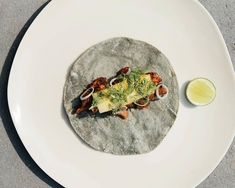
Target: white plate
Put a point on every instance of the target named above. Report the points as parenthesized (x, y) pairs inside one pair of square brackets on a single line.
[(183, 30)]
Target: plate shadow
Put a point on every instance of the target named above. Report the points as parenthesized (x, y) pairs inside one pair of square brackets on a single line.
[(4, 108)]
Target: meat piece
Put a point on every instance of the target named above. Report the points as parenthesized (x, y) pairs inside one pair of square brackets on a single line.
[(122, 114), (152, 97), (155, 77), (99, 84), (85, 105), (132, 105), (124, 70)]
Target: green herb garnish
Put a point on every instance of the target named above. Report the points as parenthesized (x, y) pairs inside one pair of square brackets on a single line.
[(133, 85)]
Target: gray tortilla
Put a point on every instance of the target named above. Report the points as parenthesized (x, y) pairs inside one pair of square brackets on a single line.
[(144, 129)]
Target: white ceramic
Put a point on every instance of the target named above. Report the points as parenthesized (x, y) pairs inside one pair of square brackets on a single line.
[(183, 30)]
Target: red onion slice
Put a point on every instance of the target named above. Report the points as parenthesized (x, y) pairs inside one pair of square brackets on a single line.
[(111, 81), (157, 91), (90, 91), (142, 105)]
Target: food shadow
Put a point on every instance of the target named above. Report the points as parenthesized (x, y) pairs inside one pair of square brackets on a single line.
[(183, 99), (75, 103), (67, 122)]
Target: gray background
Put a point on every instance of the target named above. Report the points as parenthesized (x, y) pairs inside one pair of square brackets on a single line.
[(16, 167)]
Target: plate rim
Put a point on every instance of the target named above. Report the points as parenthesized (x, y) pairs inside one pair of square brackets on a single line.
[(45, 9)]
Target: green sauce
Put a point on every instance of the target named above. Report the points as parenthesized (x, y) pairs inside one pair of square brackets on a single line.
[(135, 85)]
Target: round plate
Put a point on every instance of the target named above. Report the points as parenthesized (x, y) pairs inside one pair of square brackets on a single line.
[(183, 31)]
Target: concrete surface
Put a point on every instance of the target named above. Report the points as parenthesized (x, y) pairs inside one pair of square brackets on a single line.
[(17, 169)]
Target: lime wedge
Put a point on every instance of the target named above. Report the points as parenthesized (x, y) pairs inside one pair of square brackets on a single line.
[(200, 91)]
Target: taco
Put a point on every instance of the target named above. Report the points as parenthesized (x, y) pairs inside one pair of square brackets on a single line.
[(105, 69)]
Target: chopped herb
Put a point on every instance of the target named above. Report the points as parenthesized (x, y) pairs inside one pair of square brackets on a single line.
[(134, 82), (100, 94), (95, 101)]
